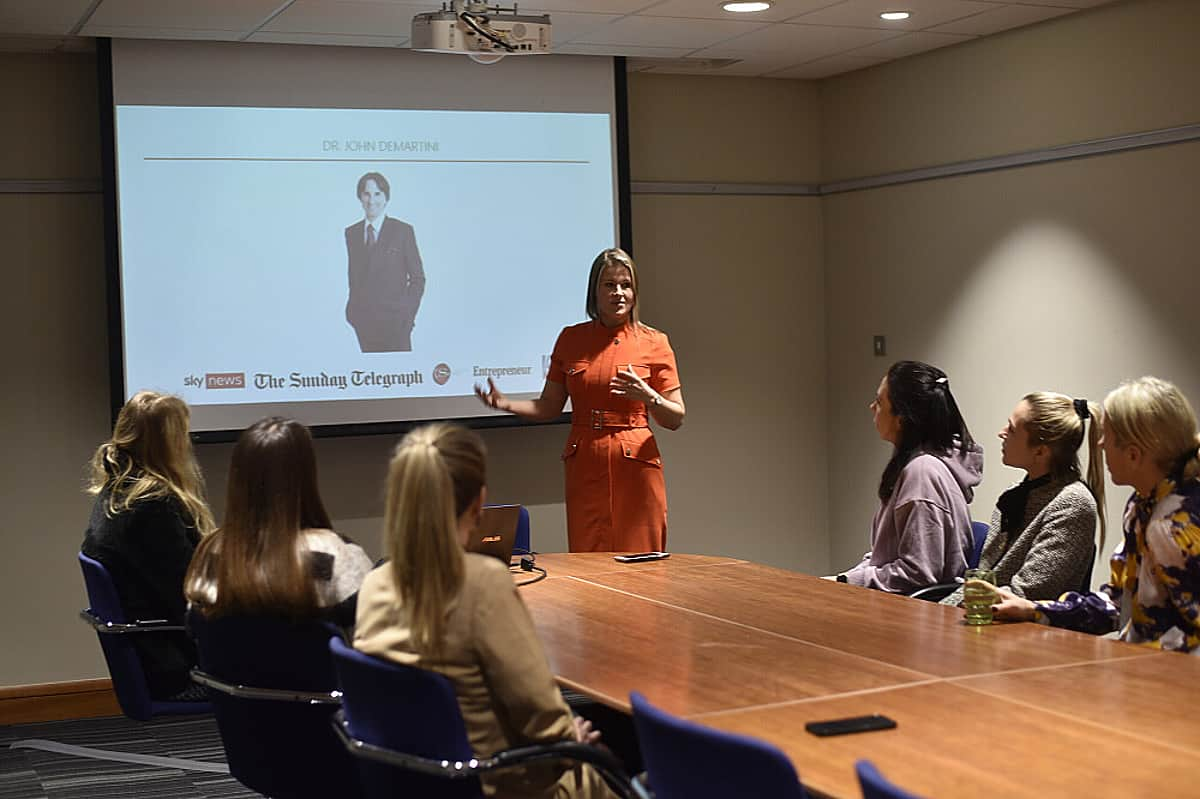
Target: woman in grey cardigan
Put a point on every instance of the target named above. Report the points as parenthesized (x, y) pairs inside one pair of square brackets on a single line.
[(1042, 537)]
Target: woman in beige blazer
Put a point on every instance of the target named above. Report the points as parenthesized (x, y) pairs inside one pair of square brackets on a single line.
[(458, 613)]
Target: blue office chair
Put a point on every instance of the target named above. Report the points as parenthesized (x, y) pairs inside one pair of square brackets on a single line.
[(275, 692), (115, 631), (405, 727), (874, 786), (521, 545), (936, 593), (685, 760), (980, 531)]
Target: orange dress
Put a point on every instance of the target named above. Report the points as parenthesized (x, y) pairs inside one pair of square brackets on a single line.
[(616, 496)]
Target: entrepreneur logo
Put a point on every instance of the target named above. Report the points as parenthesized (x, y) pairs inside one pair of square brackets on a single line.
[(441, 373), (225, 380)]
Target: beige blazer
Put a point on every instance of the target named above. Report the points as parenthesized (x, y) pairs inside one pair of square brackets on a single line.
[(495, 661)]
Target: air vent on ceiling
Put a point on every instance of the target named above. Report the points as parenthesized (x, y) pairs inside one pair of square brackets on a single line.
[(678, 65)]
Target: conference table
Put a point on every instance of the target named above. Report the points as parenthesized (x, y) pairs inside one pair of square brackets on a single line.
[(1003, 710)]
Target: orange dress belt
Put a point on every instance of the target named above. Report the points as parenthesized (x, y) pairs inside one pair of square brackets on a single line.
[(600, 419)]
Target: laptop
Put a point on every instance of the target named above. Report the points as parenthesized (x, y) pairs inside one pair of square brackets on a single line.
[(497, 532)]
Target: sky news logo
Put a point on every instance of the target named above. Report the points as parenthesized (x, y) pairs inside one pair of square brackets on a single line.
[(225, 380)]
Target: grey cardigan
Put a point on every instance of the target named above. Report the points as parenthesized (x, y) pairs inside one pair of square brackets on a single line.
[(1051, 553)]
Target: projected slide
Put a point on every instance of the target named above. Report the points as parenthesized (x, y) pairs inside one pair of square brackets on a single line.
[(278, 256)]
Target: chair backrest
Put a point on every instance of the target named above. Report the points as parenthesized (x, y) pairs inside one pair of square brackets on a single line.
[(521, 545), (129, 680), (874, 786), (980, 531), (684, 759), (407, 710), (284, 749)]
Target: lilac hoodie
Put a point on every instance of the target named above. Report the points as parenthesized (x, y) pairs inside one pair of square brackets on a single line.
[(921, 535)]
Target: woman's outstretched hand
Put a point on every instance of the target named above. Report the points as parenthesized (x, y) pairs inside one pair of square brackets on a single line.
[(493, 397)]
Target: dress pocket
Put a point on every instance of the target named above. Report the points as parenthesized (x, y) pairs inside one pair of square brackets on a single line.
[(576, 371), (570, 448), (639, 445)]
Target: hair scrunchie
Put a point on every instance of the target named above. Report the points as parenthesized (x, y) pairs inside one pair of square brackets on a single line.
[(1081, 409)]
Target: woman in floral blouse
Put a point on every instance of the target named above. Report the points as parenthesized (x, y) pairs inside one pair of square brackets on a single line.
[(1150, 444)]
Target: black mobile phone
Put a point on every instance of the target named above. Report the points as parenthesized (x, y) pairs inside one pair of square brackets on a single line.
[(846, 726), (641, 556)]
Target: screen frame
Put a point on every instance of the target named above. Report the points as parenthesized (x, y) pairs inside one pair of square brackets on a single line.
[(116, 343)]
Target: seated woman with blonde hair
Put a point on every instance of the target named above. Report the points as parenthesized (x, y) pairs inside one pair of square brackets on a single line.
[(1150, 443), (457, 613), (276, 553), (148, 517), (1042, 536)]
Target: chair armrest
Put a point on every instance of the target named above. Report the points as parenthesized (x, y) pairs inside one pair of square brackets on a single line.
[(934, 593), (274, 694), (114, 628), (604, 763)]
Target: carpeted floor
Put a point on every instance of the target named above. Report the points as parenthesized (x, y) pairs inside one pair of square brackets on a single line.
[(33, 774)]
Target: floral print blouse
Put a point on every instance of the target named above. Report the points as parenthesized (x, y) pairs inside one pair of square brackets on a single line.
[(1154, 594)]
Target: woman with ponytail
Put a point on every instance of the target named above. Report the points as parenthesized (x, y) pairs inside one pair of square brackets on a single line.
[(437, 607), (1043, 533), (921, 534), (148, 517), (1151, 444), (276, 554)]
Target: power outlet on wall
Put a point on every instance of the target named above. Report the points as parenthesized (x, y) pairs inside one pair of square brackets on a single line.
[(880, 345)]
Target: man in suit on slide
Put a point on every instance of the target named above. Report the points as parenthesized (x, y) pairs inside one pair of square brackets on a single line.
[(385, 272)]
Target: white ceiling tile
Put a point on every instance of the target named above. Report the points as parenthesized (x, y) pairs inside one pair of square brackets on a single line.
[(618, 7), (576, 48), (340, 39), (567, 26), (1001, 19), (137, 32), (749, 62), (1065, 3), (46, 17), (711, 9), (910, 44), (342, 17), (825, 67), (806, 42), (865, 13), (668, 32), (211, 15)]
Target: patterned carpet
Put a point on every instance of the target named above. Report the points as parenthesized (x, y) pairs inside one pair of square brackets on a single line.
[(33, 774)]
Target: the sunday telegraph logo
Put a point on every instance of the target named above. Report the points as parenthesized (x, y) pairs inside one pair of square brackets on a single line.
[(225, 380), (441, 373)]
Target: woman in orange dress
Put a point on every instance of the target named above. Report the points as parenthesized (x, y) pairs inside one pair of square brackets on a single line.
[(619, 374)]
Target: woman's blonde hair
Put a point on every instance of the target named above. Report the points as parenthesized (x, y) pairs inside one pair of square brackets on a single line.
[(1154, 415), (613, 256), (436, 473), (254, 562), (1059, 422), (149, 456)]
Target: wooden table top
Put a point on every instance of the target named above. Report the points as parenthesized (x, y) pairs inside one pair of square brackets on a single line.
[(761, 651)]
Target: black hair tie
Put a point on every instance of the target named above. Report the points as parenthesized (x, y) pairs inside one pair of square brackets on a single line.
[(1081, 409)]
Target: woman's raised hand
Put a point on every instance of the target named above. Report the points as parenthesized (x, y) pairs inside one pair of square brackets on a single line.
[(493, 397), (626, 383)]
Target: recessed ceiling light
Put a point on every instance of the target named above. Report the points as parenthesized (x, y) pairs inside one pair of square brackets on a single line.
[(894, 16), (745, 8)]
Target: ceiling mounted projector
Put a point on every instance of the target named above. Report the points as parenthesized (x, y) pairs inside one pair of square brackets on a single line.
[(477, 29)]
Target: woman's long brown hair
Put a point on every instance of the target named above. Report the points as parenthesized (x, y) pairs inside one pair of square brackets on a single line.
[(253, 560)]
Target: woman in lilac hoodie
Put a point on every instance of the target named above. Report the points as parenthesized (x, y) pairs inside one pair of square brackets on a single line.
[(921, 533)]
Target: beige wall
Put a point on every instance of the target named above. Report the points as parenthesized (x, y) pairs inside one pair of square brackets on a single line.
[(1117, 69), (55, 403)]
